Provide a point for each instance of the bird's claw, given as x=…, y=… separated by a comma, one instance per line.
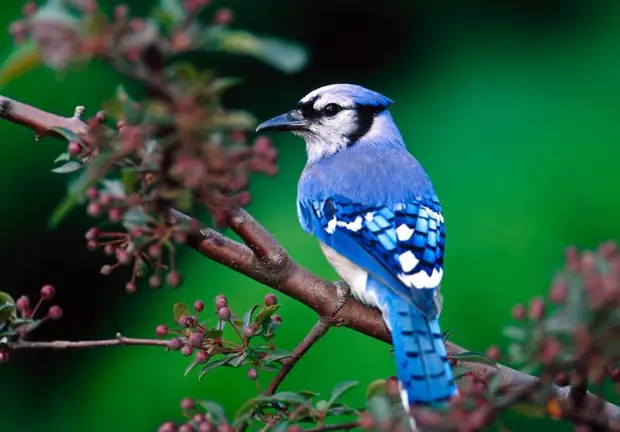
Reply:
x=342, y=294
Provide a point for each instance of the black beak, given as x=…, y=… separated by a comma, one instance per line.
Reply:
x=291, y=121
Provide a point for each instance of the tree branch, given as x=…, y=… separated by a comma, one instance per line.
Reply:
x=263, y=259
x=120, y=340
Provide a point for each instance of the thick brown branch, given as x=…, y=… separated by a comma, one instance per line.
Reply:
x=265, y=260
x=120, y=340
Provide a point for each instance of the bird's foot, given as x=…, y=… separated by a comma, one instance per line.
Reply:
x=343, y=291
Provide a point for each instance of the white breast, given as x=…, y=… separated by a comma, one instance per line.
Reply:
x=353, y=275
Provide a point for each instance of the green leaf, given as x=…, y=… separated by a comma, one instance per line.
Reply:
x=75, y=195
x=68, y=167
x=473, y=357
x=247, y=317
x=212, y=334
x=445, y=335
x=116, y=188
x=180, y=309
x=24, y=58
x=493, y=384
x=136, y=217
x=307, y=393
x=238, y=359
x=220, y=85
x=67, y=134
x=514, y=332
x=189, y=367
x=247, y=407
x=130, y=179
x=341, y=389
x=173, y=9
x=322, y=405
x=216, y=411
x=277, y=354
x=376, y=388
x=8, y=311
x=215, y=363
x=265, y=313
x=288, y=57
x=288, y=397
x=62, y=157
x=380, y=408
x=282, y=426
x=339, y=409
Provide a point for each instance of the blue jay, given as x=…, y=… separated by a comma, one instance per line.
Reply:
x=379, y=223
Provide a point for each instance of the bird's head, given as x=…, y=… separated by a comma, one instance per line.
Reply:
x=333, y=118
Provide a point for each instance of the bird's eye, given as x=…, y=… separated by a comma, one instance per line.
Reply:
x=331, y=109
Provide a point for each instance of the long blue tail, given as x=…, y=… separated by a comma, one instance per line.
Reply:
x=421, y=359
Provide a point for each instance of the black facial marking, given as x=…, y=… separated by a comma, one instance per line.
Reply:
x=307, y=108
x=6, y=109
x=365, y=117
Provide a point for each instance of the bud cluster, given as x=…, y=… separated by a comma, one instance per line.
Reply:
x=199, y=420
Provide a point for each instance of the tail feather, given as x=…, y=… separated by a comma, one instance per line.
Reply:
x=421, y=359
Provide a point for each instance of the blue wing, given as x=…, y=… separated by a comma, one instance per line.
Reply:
x=402, y=245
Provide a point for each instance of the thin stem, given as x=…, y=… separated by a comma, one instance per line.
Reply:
x=120, y=340
x=338, y=427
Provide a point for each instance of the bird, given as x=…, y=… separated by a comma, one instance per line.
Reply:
x=379, y=223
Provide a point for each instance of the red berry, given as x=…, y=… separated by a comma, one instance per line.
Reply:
x=167, y=427
x=92, y=245
x=224, y=313
x=175, y=344
x=123, y=256
x=223, y=16
x=518, y=312
x=185, y=321
x=29, y=8
x=202, y=356
x=562, y=379
x=537, y=308
x=93, y=209
x=115, y=214
x=161, y=331
x=23, y=303
x=131, y=287
x=220, y=302
x=74, y=148
x=270, y=299
x=198, y=418
x=174, y=279
x=248, y=332
x=493, y=353
x=199, y=305
x=155, y=282
x=92, y=234
x=92, y=194
x=186, y=428
x=252, y=374
x=120, y=13
x=54, y=312
x=155, y=250
x=195, y=340
x=109, y=249
x=47, y=291
x=187, y=404
x=276, y=319
x=615, y=375
x=187, y=350
x=106, y=270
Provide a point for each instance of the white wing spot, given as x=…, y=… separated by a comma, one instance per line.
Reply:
x=408, y=261
x=404, y=233
x=356, y=225
x=435, y=215
x=422, y=280
x=369, y=216
x=331, y=225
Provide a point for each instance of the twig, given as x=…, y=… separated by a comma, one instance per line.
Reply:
x=263, y=259
x=120, y=340
x=316, y=333
x=579, y=387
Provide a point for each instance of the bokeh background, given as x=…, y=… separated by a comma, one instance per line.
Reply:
x=512, y=106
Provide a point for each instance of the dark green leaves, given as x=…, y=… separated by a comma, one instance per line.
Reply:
x=265, y=313
x=277, y=354
x=7, y=308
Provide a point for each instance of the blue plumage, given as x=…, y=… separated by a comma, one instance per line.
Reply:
x=379, y=222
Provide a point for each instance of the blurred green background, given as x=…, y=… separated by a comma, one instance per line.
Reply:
x=512, y=106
